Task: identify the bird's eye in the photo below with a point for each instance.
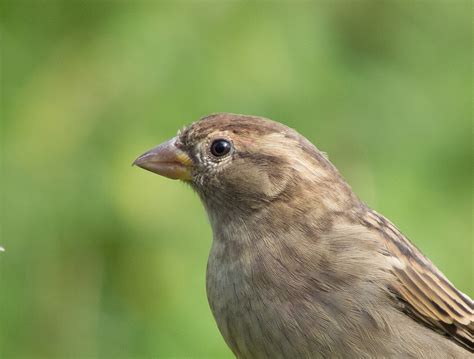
(220, 148)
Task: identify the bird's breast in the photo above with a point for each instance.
(263, 307)
(248, 313)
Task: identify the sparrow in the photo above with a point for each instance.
(299, 266)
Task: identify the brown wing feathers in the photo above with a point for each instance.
(428, 296)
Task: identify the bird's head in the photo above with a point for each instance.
(242, 163)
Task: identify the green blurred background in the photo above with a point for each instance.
(108, 261)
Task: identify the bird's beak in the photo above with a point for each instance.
(167, 160)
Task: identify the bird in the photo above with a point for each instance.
(299, 266)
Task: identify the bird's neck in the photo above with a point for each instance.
(298, 208)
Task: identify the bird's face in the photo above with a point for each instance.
(236, 162)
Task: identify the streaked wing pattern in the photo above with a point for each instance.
(426, 294)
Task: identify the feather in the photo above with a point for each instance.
(428, 296)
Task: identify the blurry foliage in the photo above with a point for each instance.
(104, 260)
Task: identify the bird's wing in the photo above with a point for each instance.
(426, 294)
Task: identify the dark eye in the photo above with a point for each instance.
(220, 148)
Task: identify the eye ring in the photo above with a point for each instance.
(220, 147)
